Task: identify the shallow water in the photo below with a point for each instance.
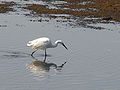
(93, 60)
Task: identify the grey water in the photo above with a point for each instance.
(92, 59)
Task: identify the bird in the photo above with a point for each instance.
(43, 43)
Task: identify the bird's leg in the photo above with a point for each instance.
(45, 55)
(33, 53)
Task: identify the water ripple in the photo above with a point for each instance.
(13, 54)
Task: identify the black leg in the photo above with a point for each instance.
(45, 56)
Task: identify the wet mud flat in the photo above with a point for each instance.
(6, 7)
(79, 12)
(83, 12)
(105, 9)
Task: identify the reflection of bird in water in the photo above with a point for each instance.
(41, 68)
(43, 43)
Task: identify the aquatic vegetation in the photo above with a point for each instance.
(6, 6)
(40, 9)
(105, 9)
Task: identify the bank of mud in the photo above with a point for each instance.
(6, 7)
(80, 13)
(104, 9)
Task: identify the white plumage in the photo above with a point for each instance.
(43, 43)
(40, 43)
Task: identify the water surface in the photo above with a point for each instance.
(93, 60)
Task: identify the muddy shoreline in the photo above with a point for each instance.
(6, 6)
(104, 9)
(77, 13)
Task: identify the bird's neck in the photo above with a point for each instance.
(55, 45)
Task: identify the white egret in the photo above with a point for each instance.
(43, 43)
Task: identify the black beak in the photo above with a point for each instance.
(64, 46)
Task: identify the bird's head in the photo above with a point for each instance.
(29, 44)
(60, 42)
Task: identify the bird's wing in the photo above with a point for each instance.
(46, 43)
(41, 43)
